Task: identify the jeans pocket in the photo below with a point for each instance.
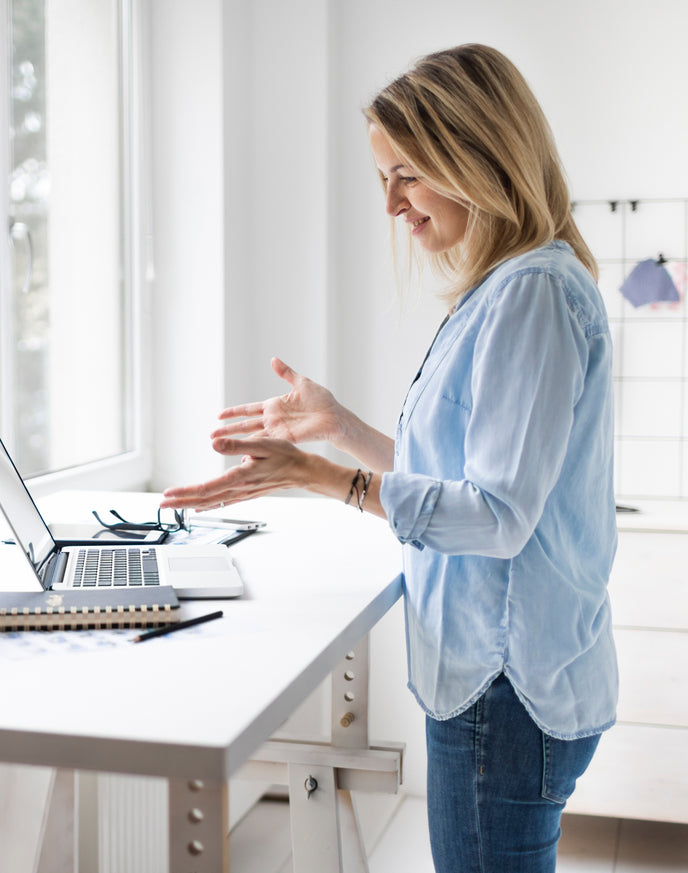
(563, 762)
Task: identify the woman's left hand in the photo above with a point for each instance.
(266, 465)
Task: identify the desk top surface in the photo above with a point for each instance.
(198, 702)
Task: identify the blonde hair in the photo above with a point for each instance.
(466, 121)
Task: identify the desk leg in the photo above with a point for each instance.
(353, 852)
(325, 835)
(321, 776)
(58, 852)
(350, 699)
(315, 837)
(37, 819)
(198, 817)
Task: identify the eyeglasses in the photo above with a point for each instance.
(180, 522)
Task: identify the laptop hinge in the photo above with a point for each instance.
(54, 570)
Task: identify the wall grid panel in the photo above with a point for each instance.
(650, 341)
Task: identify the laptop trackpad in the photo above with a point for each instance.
(196, 564)
(203, 576)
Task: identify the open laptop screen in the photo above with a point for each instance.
(30, 531)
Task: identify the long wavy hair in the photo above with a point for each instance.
(468, 124)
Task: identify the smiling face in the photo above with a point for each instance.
(436, 222)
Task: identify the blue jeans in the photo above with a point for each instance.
(497, 786)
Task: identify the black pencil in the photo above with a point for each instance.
(180, 625)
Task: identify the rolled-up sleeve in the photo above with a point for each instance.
(409, 502)
(450, 517)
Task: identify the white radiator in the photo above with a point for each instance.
(132, 825)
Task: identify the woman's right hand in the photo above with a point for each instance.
(308, 413)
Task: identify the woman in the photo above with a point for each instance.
(499, 480)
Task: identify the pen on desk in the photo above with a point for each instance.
(180, 625)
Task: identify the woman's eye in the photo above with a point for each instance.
(409, 180)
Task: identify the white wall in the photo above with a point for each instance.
(276, 231)
(187, 166)
(306, 269)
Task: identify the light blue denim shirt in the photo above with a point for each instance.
(502, 491)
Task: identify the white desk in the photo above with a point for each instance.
(197, 705)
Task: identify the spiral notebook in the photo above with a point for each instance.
(87, 610)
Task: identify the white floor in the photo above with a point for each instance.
(398, 841)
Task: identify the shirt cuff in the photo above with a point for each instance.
(409, 501)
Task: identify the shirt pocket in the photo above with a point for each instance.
(445, 435)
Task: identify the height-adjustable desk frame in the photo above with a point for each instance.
(326, 837)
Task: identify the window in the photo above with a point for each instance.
(70, 294)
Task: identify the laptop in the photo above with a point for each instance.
(194, 571)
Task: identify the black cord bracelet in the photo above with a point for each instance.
(354, 487)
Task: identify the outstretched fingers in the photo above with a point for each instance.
(244, 410)
(266, 465)
(284, 371)
(246, 427)
(231, 487)
(253, 410)
(202, 496)
(224, 444)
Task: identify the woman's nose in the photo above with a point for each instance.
(396, 202)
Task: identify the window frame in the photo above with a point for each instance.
(130, 470)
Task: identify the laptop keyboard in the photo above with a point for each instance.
(116, 567)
